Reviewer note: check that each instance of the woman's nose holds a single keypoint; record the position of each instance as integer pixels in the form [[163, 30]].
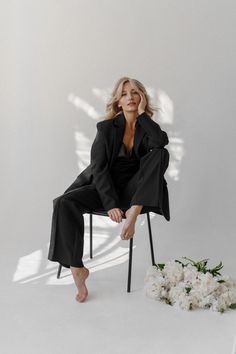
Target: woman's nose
[[130, 95]]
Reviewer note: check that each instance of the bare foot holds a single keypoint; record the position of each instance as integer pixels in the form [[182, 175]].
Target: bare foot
[[80, 275], [129, 226]]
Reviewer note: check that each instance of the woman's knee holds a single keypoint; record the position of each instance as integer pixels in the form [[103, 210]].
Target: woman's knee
[[59, 199], [158, 150], [56, 200], [162, 152]]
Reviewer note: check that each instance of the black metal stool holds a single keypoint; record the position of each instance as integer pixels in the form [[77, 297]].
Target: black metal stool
[[130, 245]]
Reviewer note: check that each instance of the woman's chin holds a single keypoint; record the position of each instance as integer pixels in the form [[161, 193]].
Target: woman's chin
[[132, 109]]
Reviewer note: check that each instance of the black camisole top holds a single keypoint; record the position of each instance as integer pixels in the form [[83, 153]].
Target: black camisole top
[[124, 167]]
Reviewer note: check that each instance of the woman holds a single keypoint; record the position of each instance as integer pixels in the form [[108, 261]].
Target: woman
[[125, 178]]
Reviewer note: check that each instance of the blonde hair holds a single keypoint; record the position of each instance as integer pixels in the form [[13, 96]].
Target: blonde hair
[[112, 108]]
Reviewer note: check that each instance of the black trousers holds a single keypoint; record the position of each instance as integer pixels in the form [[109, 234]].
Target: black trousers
[[67, 228]]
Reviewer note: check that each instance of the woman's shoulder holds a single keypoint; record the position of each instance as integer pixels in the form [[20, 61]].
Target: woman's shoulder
[[104, 124]]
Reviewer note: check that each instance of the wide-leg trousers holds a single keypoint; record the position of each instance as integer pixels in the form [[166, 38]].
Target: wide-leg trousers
[[67, 228]]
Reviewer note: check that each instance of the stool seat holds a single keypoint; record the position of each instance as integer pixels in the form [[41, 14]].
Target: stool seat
[[104, 213]]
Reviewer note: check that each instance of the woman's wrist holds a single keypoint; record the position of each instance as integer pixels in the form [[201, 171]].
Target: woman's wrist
[[140, 112]]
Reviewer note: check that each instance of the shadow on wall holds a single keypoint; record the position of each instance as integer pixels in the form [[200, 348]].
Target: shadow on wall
[[108, 250], [165, 117]]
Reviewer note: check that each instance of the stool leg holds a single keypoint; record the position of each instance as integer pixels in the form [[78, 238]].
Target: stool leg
[[150, 239], [59, 271], [130, 264], [91, 234]]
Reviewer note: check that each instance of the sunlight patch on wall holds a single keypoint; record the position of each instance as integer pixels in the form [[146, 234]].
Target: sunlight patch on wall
[[103, 244], [176, 150], [82, 149], [164, 116], [166, 107], [100, 261], [27, 266], [106, 251], [79, 103]]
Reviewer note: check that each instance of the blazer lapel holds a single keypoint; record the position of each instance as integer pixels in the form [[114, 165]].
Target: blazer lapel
[[138, 136], [119, 129]]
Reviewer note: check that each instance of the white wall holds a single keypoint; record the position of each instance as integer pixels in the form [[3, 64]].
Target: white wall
[[53, 51]]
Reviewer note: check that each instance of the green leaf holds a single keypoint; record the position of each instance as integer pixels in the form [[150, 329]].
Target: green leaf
[[188, 289], [177, 261], [232, 306], [160, 265]]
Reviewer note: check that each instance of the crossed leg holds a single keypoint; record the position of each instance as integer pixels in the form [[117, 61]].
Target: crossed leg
[[129, 226], [144, 191]]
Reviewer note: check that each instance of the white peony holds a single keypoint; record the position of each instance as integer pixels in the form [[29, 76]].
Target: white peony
[[190, 274], [219, 304], [207, 283], [173, 271], [153, 291], [183, 301], [186, 288], [152, 274]]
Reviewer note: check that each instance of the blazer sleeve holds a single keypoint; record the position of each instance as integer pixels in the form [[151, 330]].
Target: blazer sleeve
[[157, 137], [101, 175]]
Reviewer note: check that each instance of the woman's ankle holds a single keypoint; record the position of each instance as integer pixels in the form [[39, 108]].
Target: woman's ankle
[[136, 209], [76, 268]]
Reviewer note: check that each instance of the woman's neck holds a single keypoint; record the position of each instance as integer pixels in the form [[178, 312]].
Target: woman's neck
[[130, 118]]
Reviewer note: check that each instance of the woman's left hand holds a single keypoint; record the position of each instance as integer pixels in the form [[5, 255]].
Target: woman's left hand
[[142, 103], [115, 214]]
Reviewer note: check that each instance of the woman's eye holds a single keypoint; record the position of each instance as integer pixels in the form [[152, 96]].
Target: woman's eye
[[123, 94]]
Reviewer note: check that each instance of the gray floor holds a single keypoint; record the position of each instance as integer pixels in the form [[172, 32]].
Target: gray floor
[[40, 315]]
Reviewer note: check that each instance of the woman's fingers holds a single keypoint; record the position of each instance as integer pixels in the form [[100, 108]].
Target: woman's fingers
[[118, 216], [115, 214], [121, 213], [142, 103], [111, 215]]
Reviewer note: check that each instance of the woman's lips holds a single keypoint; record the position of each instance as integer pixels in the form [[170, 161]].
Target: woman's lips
[[131, 103]]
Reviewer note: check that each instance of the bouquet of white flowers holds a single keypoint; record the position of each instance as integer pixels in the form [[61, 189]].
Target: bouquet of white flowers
[[191, 285]]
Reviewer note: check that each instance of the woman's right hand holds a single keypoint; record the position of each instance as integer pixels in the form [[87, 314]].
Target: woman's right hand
[[115, 214]]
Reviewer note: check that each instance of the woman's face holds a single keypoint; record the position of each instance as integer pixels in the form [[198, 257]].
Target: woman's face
[[130, 98]]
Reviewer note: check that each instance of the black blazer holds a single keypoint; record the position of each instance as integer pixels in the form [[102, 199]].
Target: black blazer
[[105, 148]]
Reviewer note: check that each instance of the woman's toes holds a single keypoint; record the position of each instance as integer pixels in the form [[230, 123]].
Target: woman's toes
[[80, 298], [129, 236], [127, 232], [82, 295]]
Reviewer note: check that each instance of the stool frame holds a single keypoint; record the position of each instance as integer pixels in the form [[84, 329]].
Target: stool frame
[[130, 247]]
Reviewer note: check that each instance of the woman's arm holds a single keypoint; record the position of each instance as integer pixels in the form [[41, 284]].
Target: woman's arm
[[157, 137], [101, 175]]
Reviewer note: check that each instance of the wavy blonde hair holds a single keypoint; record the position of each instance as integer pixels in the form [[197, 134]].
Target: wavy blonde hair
[[112, 108]]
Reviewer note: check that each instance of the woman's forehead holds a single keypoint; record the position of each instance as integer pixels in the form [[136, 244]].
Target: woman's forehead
[[131, 84]]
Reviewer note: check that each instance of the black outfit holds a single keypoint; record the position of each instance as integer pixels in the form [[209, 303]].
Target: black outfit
[[125, 166], [115, 178]]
